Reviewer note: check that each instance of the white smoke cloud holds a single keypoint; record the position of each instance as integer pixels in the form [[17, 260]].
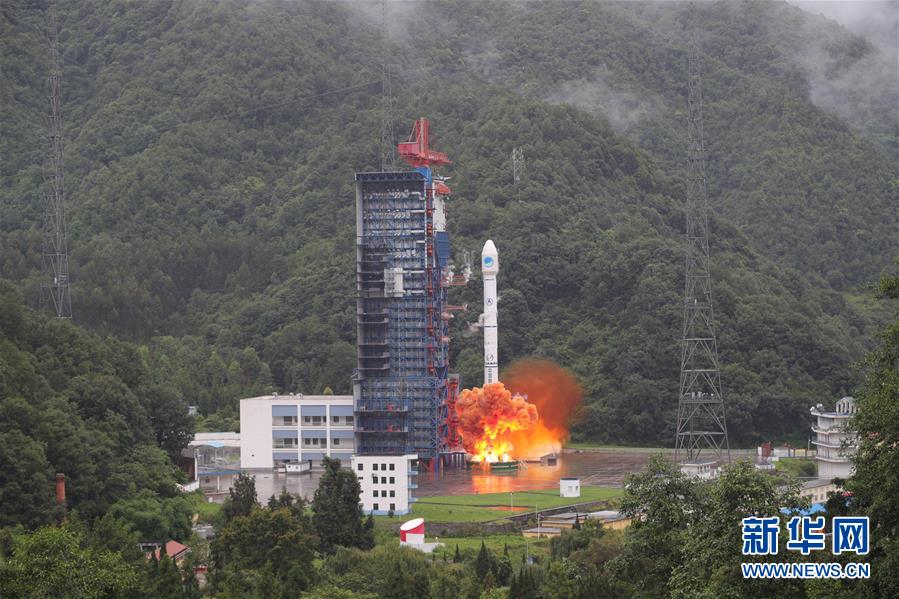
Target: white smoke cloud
[[875, 20], [597, 94], [864, 89]]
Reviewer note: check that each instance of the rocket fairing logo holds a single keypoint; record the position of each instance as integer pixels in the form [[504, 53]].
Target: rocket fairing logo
[[806, 534], [488, 261]]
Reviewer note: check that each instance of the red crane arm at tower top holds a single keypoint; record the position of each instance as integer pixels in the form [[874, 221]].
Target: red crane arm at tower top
[[416, 151]]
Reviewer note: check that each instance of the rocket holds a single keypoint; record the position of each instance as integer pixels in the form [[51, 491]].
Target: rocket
[[489, 270]]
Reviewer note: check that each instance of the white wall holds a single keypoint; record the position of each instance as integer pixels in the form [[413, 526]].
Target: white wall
[[364, 469], [256, 427], [255, 434]]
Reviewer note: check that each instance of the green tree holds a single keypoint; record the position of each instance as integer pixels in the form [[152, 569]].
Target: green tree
[[875, 484], [658, 502], [483, 562], [173, 428], [25, 488], [336, 513], [266, 551], [241, 497], [51, 563], [712, 547]]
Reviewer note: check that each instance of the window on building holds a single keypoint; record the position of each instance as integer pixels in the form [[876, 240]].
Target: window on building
[[374, 466], [360, 479], [336, 441], [393, 493], [374, 480], [392, 507], [307, 441], [392, 480], [383, 480], [392, 466], [284, 420], [349, 420], [285, 443], [383, 466], [360, 467], [307, 419], [374, 506], [335, 419], [315, 441], [374, 493]]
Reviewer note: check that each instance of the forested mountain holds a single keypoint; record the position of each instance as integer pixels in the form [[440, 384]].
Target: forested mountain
[[210, 156], [88, 407]]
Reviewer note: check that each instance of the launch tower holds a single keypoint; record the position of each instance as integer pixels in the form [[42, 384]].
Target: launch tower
[[403, 392]]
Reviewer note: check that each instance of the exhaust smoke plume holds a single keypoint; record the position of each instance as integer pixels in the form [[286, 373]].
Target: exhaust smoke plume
[[525, 417]]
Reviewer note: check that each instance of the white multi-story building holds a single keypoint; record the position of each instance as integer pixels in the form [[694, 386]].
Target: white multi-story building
[[284, 429], [836, 443], [387, 482]]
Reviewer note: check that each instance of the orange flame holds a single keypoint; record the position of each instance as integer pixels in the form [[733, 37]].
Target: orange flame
[[488, 415], [527, 417]]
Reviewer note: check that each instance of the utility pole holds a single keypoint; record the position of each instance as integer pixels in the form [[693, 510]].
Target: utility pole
[[388, 138], [701, 424], [55, 286]]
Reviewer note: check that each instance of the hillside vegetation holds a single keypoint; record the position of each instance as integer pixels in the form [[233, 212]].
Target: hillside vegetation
[[210, 155]]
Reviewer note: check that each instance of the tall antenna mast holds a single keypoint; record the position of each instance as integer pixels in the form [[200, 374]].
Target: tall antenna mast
[[388, 139], [700, 415], [55, 288]]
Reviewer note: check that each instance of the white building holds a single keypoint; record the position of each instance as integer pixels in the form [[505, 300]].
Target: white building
[[283, 429], [836, 443], [700, 470], [569, 487], [387, 482]]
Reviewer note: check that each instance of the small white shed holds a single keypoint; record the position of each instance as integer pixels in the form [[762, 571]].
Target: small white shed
[[569, 487]]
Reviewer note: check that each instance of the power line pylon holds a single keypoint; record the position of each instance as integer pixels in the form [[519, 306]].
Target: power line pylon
[[701, 425], [388, 138], [517, 165], [55, 287]]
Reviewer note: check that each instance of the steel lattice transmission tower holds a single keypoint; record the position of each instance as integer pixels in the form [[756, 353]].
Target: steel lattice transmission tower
[[388, 138], [55, 287], [701, 425], [517, 164]]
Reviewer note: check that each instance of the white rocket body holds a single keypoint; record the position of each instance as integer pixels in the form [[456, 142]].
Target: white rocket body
[[489, 269]]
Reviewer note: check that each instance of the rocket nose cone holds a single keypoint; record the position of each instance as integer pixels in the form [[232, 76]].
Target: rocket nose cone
[[489, 258]]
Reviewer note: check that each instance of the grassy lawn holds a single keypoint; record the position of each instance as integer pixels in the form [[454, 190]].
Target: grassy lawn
[[469, 546], [206, 512], [488, 506], [797, 467]]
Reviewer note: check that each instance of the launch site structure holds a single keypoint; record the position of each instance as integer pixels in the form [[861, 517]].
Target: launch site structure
[[701, 426], [404, 394]]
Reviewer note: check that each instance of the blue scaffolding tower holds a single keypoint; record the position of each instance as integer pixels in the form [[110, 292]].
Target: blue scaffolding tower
[[401, 383]]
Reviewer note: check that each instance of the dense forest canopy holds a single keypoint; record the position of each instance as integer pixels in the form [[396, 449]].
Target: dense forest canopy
[[210, 152]]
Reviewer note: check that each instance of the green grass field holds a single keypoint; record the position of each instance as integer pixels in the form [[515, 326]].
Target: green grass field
[[469, 546], [797, 467], [489, 506], [206, 512]]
